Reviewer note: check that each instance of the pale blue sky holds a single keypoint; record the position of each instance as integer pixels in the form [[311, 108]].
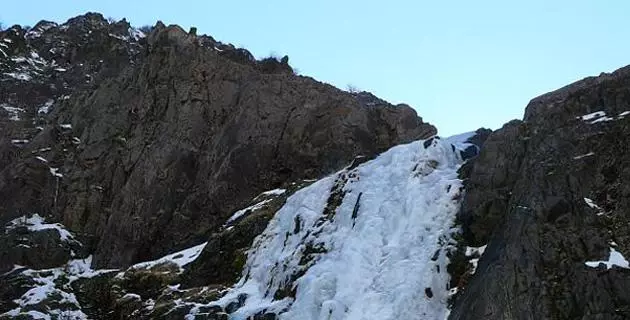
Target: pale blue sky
[[460, 64]]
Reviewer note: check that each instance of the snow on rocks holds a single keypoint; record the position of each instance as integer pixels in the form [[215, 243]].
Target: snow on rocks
[[592, 116], [180, 258], [593, 205], [274, 192], [240, 213], [19, 141], [37, 31], [475, 253], [122, 38], [131, 296], [37, 223], [46, 107], [614, 259], [44, 288], [602, 119], [262, 200], [19, 76], [81, 268], [14, 112], [136, 34], [54, 284], [583, 156], [55, 172], [600, 116], [359, 244]]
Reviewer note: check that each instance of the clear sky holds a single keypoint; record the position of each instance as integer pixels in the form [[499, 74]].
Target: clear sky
[[460, 64]]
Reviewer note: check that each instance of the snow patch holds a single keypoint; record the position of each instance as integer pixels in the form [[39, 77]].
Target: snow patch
[[593, 205], [614, 259], [14, 112], [37, 315], [19, 76], [136, 34], [81, 268], [45, 108], [274, 192], [591, 116], [476, 253], [131, 296], [247, 210], [55, 172], [602, 119], [600, 116], [37, 223], [180, 258], [583, 156], [37, 32], [123, 38]]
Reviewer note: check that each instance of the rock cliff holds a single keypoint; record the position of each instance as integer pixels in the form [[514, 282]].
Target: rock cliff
[[145, 143], [547, 195]]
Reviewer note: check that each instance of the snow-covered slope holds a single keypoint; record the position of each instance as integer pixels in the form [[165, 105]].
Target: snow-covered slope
[[369, 242]]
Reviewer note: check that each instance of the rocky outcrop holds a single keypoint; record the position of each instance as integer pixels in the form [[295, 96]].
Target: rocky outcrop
[[547, 195], [149, 143]]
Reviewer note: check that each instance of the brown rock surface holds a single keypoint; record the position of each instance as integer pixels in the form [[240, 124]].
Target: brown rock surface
[[172, 133]]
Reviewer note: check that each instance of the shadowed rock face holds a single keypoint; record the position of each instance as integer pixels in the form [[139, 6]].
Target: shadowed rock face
[[169, 134], [526, 199]]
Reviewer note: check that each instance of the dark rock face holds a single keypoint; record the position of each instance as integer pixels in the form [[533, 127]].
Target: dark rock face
[[150, 143], [31, 242], [526, 199], [41, 249], [223, 258]]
